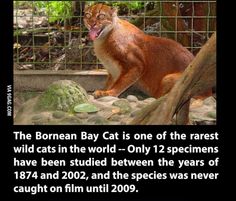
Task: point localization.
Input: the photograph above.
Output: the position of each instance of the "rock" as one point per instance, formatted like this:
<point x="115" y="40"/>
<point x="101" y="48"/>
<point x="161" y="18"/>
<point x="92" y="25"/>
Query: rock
<point x="125" y="121"/>
<point x="141" y="105"/>
<point x="83" y="115"/>
<point x="203" y="114"/>
<point x="58" y="114"/>
<point x="62" y="95"/>
<point x="100" y="105"/>
<point x="211" y="114"/>
<point x="37" y="117"/>
<point x="132" y="98"/>
<point x="104" y="102"/>
<point x="114" y="123"/>
<point x="86" y="107"/>
<point x="24" y="113"/>
<point x="206" y="122"/>
<point x="133" y="104"/>
<point x="52" y="106"/>
<point x="91" y="97"/>
<point x="134" y="113"/>
<point x="115" y="117"/>
<point x="149" y="100"/>
<point x="124" y="106"/>
<point x="98" y="120"/>
<point x="107" y="99"/>
<point x="210" y="101"/>
<point x="40" y="119"/>
<point x="107" y="110"/>
<point x="71" y="120"/>
<point x="195" y="103"/>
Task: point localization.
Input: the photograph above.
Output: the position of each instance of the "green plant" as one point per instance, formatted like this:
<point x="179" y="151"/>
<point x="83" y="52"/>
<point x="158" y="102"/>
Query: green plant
<point x="133" y="6"/>
<point x="22" y="4"/>
<point x="56" y="10"/>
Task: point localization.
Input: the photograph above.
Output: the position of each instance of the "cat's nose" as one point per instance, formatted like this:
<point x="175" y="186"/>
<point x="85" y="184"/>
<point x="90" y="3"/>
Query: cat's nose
<point x="93" y="24"/>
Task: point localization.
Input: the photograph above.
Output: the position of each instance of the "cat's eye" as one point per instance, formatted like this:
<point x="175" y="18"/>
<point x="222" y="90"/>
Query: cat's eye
<point x="87" y="15"/>
<point x="101" y="16"/>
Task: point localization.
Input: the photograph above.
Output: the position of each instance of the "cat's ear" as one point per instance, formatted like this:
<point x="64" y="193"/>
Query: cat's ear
<point x="86" y="6"/>
<point x="114" y="11"/>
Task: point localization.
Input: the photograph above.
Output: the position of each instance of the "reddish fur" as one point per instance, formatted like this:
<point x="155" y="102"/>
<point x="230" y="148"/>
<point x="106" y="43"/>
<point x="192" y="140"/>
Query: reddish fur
<point x="155" y="63"/>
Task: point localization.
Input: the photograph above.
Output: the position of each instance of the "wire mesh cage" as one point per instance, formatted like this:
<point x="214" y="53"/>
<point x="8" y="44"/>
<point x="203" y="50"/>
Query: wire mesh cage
<point x="50" y="35"/>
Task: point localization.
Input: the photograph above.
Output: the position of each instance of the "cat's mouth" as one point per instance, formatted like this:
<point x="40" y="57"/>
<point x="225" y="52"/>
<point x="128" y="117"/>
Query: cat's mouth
<point x="95" y="33"/>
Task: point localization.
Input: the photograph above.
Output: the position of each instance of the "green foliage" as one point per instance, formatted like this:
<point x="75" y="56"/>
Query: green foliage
<point x="133" y="6"/>
<point x="22" y="4"/>
<point x="56" y="10"/>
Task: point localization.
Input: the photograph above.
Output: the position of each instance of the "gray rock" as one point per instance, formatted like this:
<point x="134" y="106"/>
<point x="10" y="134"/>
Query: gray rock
<point x="114" y="123"/>
<point x="37" y="117"/>
<point x="106" y="112"/>
<point x="125" y="121"/>
<point x="141" y="105"/>
<point x="91" y="97"/>
<point x="58" y="114"/>
<point x="203" y="115"/>
<point x="26" y="112"/>
<point x="133" y="104"/>
<point x="211" y="114"/>
<point x="149" y="100"/>
<point x="206" y="122"/>
<point x="101" y="105"/>
<point x="107" y="99"/>
<point x="135" y="113"/>
<point x="83" y="115"/>
<point x="132" y="98"/>
<point x="98" y="120"/>
<point x="115" y="117"/>
<point x="71" y="120"/>
<point x="124" y="106"/>
<point x="210" y="101"/>
<point x="40" y="119"/>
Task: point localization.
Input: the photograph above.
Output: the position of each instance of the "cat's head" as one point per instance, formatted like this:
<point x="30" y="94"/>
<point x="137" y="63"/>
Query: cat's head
<point x="99" y="19"/>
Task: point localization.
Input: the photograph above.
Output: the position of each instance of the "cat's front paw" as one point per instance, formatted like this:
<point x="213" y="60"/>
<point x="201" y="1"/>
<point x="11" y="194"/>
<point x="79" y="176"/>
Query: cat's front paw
<point x="101" y="93"/>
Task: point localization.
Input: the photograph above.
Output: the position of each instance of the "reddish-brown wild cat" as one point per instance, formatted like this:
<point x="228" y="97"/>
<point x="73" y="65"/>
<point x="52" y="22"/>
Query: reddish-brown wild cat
<point x="130" y="56"/>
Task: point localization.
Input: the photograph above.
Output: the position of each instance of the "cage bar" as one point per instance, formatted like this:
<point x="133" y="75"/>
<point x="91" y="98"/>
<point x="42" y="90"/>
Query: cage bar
<point x="60" y="38"/>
